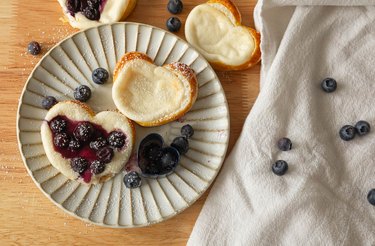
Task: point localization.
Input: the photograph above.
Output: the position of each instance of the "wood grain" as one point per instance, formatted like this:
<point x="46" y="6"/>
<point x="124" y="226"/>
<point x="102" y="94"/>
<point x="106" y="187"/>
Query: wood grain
<point x="27" y="217"/>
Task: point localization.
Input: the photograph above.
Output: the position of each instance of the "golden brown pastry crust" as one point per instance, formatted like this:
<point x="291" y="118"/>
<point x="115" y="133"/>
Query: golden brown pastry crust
<point x="175" y="67"/>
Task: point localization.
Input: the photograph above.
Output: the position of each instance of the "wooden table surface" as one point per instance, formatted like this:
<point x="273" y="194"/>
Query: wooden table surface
<point x="27" y="217"/>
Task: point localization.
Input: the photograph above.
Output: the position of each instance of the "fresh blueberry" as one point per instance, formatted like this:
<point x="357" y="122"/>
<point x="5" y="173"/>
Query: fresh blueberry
<point x="61" y="140"/>
<point x="280" y="167"/>
<point x="347" y="133"/>
<point x="116" y="139"/>
<point x="79" y="164"/>
<point x="74" y="145"/>
<point x="100" y="76"/>
<point x="371" y="197"/>
<point x="58" y="125"/>
<point x="97" y="167"/>
<point x="329" y="85"/>
<point x="34" y="48"/>
<point x="132" y="180"/>
<point x="181" y="144"/>
<point x="362" y="127"/>
<point x="93" y="3"/>
<point x="173" y="24"/>
<point x="82" y="93"/>
<point x="48" y="102"/>
<point x="175" y="6"/>
<point x="284" y="144"/>
<point x="91" y="13"/>
<point x="73" y="6"/>
<point x="98" y="143"/>
<point x="105" y="154"/>
<point x="187" y="131"/>
<point x="83" y="132"/>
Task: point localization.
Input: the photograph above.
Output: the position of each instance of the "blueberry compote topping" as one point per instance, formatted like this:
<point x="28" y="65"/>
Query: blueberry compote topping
<point x="91" y="9"/>
<point x="85" y="144"/>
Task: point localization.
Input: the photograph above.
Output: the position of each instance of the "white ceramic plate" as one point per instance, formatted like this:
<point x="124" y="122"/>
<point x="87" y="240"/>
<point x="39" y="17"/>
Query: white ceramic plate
<point x="70" y="64"/>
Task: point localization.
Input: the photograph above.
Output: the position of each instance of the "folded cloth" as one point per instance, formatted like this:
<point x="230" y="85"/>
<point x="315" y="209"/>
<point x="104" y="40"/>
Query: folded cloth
<point x="322" y="199"/>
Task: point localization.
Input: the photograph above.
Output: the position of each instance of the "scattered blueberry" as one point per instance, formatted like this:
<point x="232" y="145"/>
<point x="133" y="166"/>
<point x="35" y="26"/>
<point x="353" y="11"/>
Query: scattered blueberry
<point x="347" y="133"/>
<point x="371" y="197"/>
<point x="362" y="127"/>
<point x="73" y="6"/>
<point x="74" y="145"/>
<point x="91" y="13"/>
<point x="100" y="76"/>
<point x="58" y="125"/>
<point x="329" y="85"/>
<point x="280" y="167"/>
<point x="181" y="144"/>
<point x="187" y="131"/>
<point x="132" y="180"/>
<point x="82" y="93"/>
<point x="284" y="144"/>
<point x="79" y="164"/>
<point x="98" y="143"/>
<point x="105" y="154"/>
<point x="175" y="6"/>
<point x="93" y="3"/>
<point x="83" y="132"/>
<point x="34" y="48"/>
<point x="97" y="167"/>
<point x="61" y="140"/>
<point x="48" y="102"/>
<point x="116" y="139"/>
<point x="173" y="24"/>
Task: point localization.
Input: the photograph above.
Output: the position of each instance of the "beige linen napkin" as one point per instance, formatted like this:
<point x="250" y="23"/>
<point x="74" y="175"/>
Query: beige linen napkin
<point x="322" y="199"/>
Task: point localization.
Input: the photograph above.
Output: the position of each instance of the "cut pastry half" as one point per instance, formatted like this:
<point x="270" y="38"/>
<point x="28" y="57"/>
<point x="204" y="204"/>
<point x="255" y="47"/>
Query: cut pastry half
<point x="89" y="13"/>
<point x="153" y="95"/>
<point x="84" y="146"/>
<point x="215" y="30"/>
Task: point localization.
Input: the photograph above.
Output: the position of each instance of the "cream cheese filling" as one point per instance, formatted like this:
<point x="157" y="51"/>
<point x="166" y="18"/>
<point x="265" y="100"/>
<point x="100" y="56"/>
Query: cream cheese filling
<point x="145" y="92"/>
<point x="216" y="36"/>
<point x="112" y="12"/>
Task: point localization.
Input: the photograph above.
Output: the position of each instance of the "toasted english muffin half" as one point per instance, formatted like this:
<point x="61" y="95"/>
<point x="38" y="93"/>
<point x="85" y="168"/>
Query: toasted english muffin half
<point x="153" y="95"/>
<point x="215" y="30"/>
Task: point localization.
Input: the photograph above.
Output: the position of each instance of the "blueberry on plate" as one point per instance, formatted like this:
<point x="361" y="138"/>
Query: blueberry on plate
<point x="280" y="167"/>
<point x="371" y="197"/>
<point x="132" y="180"/>
<point x="97" y="167"/>
<point x="116" y="139"/>
<point x="169" y="160"/>
<point x="98" y="143"/>
<point x="100" y="76"/>
<point x="83" y="132"/>
<point x="61" y="140"/>
<point x="58" y="125"/>
<point x="187" y="131"/>
<point x="34" y="48"/>
<point x="105" y="155"/>
<point x="73" y="6"/>
<point x="284" y="144"/>
<point x="181" y="144"/>
<point x="79" y="164"/>
<point x="82" y="93"/>
<point x="329" y="85"/>
<point x="173" y="24"/>
<point x="175" y="6"/>
<point x="48" y="102"/>
<point x="362" y="127"/>
<point x="74" y="145"/>
<point x="347" y="132"/>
